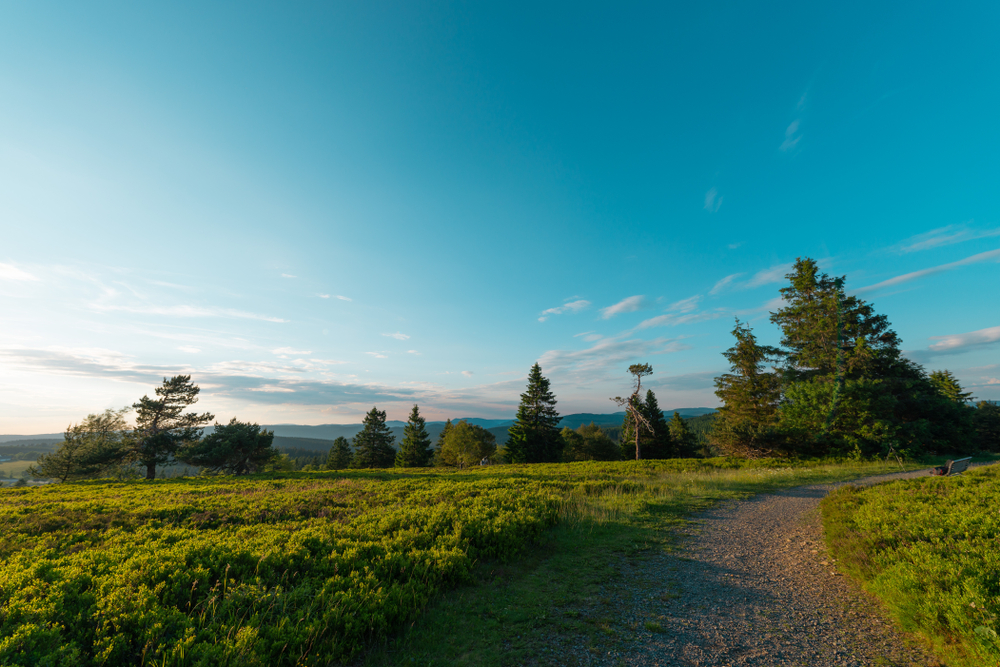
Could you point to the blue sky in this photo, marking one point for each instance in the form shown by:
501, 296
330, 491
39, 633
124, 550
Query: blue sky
320, 208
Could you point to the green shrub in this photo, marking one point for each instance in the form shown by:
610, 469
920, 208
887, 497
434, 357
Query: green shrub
930, 549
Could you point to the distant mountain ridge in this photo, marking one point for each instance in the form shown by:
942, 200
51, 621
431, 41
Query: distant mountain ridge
327, 432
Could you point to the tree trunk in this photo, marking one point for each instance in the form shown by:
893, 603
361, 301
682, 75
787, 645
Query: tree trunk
150, 471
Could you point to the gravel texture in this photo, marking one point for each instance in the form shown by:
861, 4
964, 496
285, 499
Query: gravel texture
752, 584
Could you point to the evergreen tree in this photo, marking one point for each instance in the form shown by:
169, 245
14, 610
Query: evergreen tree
436, 456
236, 448
827, 333
986, 422
467, 444
340, 454
373, 445
415, 450
685, 441
161, 425
746, 422
947, 385
534, 435
88, 449
658, 444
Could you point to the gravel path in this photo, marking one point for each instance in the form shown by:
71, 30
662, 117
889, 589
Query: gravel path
752, 585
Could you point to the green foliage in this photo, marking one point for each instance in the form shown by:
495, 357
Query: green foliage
685, 440
947, 385
466, 444
534, 435
986, 422
415, 450
231, 570
655, 441
340, 454
938, 569
161, 425
436, 457
373, 444
236, 448
88, 448
745, 424
821, 325
588, 442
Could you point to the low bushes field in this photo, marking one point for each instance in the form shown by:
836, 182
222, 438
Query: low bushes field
930, 549
308, 568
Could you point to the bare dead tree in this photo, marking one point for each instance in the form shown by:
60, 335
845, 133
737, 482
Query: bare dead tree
630, 403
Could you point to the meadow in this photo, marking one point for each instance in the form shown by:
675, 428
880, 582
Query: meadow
331, 567
929, 548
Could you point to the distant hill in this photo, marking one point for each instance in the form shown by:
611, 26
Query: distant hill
320, 437
57, 437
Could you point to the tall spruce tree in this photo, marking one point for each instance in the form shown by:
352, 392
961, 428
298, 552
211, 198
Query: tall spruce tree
340, 454
415, 449
534, 435
827, 333
685, 441
750, 395
659, 444
373, 444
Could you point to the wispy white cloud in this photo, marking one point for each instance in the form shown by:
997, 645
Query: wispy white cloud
397, 336
273, 389
724, 283
467, 374
597, 362
189, 349
290, 350
184, 311
988, 256
288, 275
413, 352
378, 355
323, 296
792, 136
11, 272
571, 307
945, 236
775, 274
589, 336
628, 305
734, 246
343, 298
686, 305
961, 342
713, 202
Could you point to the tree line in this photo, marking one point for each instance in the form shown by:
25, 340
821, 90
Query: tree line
838, 385
103, 444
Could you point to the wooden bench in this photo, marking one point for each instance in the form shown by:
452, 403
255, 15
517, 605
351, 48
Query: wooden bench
956, 467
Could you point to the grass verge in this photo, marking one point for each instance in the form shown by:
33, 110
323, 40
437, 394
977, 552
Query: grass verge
930, 549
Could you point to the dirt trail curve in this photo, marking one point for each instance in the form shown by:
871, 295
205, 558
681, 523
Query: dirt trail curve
755, 586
